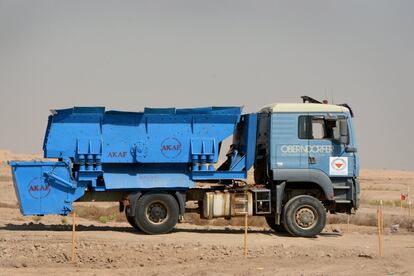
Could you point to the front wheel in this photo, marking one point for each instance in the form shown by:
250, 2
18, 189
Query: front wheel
304, 216
156, 213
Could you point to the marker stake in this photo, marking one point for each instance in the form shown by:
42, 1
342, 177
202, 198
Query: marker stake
379, 232
246, 211
73, 237
347, 224
382, 218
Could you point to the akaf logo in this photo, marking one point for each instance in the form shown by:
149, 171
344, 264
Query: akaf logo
117, 154
38, 188
171, 147
339, 164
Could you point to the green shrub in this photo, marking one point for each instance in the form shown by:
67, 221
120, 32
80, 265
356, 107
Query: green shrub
103, 219
37, 219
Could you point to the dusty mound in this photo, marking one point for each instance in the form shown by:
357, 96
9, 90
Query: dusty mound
6, 155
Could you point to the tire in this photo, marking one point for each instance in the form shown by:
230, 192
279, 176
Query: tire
131, 220
156, 213
278, 228
304, 216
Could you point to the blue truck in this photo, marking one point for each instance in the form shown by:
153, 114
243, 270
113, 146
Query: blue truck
163, 162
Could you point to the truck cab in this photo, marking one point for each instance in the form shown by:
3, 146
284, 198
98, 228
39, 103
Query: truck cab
307, 149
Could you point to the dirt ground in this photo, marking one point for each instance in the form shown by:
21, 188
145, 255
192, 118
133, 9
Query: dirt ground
31, 246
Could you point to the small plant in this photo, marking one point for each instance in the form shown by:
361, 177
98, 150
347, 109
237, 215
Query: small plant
103, 219
37, 219
64, 220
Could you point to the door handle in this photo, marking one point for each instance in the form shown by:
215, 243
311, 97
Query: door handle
312, 160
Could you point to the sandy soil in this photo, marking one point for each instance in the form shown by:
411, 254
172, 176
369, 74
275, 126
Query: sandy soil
6, 155
29, 246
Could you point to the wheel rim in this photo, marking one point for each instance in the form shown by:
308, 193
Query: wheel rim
157, 212
306, 217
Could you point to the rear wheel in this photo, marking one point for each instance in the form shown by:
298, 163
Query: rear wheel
156, 213
131, 219
304, 216
279, 228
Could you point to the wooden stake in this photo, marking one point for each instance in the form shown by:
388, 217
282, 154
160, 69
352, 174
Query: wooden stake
73, 237
246, 213
382, 218
380, 250
382, 234
347, 224
245, 233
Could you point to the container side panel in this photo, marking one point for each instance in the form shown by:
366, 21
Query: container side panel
147, 176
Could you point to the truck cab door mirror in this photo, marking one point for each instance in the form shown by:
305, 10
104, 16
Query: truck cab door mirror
343, 128
344, 132
341, 134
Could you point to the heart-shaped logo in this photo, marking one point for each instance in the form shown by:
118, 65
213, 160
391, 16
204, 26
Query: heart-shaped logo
339, 164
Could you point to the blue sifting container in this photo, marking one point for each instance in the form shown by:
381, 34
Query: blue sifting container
44, 188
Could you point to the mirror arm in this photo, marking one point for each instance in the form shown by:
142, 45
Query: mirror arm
351, 149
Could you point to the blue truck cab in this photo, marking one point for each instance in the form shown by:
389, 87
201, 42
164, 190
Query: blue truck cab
157, 161
308, 149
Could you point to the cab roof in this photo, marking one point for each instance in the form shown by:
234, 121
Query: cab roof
304, 107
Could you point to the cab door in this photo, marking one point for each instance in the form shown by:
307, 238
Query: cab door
287, 150
325, 151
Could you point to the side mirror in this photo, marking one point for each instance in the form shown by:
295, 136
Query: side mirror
343, 128
341, 135
344, 132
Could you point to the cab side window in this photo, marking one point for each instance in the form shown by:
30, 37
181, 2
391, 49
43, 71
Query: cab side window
316, 128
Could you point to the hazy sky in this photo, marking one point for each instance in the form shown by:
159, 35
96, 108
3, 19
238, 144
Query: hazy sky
132, 54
